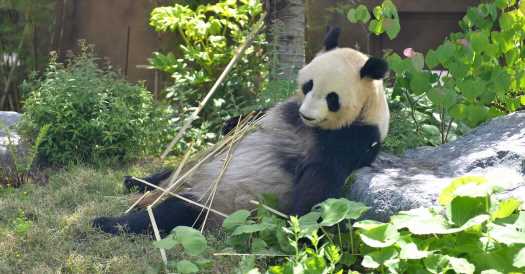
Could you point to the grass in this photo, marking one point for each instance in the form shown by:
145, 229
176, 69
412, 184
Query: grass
46, 228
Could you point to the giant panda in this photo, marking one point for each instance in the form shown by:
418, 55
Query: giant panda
302, 150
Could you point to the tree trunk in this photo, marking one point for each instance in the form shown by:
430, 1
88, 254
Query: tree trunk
286, 34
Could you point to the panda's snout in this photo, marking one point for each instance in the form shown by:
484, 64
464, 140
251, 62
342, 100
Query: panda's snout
306, 117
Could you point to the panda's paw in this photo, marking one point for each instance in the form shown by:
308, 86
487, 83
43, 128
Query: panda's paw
107, 224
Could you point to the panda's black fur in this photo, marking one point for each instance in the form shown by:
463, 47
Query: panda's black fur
304, 165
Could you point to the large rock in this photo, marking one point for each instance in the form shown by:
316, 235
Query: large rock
495, 150
8, 135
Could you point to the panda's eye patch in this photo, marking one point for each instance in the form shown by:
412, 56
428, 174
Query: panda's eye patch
332, 99
308, 86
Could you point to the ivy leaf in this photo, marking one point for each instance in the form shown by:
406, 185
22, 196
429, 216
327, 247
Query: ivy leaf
185, 266
463, 208
191, 239
236, 219
505, 208
391, 27
379, 257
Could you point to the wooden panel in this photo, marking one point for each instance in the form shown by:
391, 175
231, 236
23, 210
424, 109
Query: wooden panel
424, 24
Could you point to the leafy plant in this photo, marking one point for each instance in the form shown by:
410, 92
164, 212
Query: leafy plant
471, 232
208, 35
385, 18
92, 114
20, 167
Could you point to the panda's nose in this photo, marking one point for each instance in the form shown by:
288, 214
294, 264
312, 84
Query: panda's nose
306, 117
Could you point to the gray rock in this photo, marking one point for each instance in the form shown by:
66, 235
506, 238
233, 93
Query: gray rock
495, 150
8, 135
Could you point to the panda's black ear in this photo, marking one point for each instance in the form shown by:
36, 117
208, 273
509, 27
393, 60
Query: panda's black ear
374, 68
331, 39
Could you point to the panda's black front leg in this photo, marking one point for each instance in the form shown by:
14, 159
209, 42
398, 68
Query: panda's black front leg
168, 214
315, 183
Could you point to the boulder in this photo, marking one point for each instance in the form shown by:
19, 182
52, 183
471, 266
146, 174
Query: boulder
8, 135
495, 150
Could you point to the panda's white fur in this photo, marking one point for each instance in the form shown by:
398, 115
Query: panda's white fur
268, 160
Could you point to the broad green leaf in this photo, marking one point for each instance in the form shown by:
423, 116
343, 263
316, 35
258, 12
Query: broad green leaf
519, 259
445, 52
381, 236
436, 263
420, 83
504, 3
463, 208
430, 130
506, 21
442, 96
391, 27
418, 61
379, 257
185, 266
362, 14
479, 41
236, 219
166, 243
501, 80
431, 59
506, 208
420, 221
258, 245
491, 271
522, 100
376, 27
411, 252
192, 240
447, 194
249, 229
460, 265
333, 211
389, 9
507, 234
522, 7
367, 224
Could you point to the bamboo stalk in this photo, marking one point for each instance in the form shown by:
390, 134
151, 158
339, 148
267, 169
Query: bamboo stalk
274, 211
181, 197
157, 235
137, 202
174, 176
233, 61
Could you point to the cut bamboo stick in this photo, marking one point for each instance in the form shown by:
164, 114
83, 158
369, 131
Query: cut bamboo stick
181, 197
137, 202
157, 235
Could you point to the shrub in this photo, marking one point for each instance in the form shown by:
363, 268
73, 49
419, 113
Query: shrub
472, 232
208, 36
93, 114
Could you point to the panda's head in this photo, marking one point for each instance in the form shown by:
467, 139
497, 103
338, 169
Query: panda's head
341, 86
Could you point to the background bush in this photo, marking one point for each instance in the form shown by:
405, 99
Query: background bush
93, 114
207, 36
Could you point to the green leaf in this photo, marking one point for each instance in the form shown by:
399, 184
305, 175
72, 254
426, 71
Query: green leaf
522, 100
472, 88
506, 208
460, 265
258, 245
501, 80
379, 257
236, 219
436, 263
502, 4
391, 27
479, 41
420, 83
431, 59
418, 61
506, 234
389, 9
249, 229
166, 243
334, 211
381, 236
192, 240
376, 27
445, 52
519, 259
362, 14
441, 96
185, 266
410, 251
463, 208
447, 194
